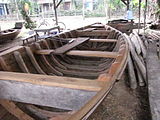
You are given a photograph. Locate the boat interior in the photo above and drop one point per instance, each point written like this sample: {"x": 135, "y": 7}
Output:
{"x": 64, "y": 76}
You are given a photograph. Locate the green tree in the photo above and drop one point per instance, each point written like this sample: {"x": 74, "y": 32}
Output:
{"x": 22, "y": 8}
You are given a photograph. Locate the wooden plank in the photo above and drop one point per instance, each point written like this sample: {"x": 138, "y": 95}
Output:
{"x": 94, "y": 33}
{"x": 141, "y": 44}
{"x": 93, "y": 53}
{"x": 102, "y": 40}
{"x": 89, "y": 29}
{"x": 97, "y": 26}
{"x": 11, "y": 50}
{"x": 91, "y": 40}
{"x": 136, "y": 58}
{"x": 67, "y": 82}
{"x": 44, "y": 52}
{"x": 82, "y": 53}
{"x": 42, "y": 90}
{"x": 70, "y": 46}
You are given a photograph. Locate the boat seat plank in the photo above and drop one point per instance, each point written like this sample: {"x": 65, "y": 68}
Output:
{"x": 87, "y": 53}
{"x": 42, "y": 89}
{"x": 89, "y": 29}
{"x": 93, "y": 40}
{"x": 103, "y": 40}
{"x": 97, "y": 26}
{"x": 82, "y": 53}
{"x": 94, "y": 33}
{"x": 66, "y": 82}
{"x": 70, "y": 46}
{"x": 44, "y": 52}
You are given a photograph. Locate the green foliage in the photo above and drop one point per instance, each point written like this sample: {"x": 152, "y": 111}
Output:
{"x": 78, "y": 4}
{"x": 116, "y": 4}
{"x": 158, "y": 3}
{"x": 135, "y": 3}
{"x": 94, "y": 14}
{"x": 29, "y": 23}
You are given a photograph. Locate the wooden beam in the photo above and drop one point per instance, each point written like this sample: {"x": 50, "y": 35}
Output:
{"x": 90, "y": 40}
{"x": 102, "y": 40}
{"x": 89, "y": 29}
{"x": 82, "y": 53}
{"x": 70, "y": 46}
{"x": 53, "y": 81}
{"x": 93, "y": 53}
{"x": 93, "y": 33}
{"x": 97, "y": 26}
{"x": 51, "y": 91}
{"x": 44, "y": 52}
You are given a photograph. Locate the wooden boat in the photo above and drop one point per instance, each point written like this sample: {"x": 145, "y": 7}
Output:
{"x": 10, "y": 34}
{"x": 122, "y": 25}
{"x": 65, "y": 76}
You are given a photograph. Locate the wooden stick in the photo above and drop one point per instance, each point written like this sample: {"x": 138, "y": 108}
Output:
{"x": 94, "y": 33}
{"x": 135, "y": 43}
{"x": 70, "y": 46}
{"x": 136, "y": 58}
{"x": 132, "y": 76}
{"x": 102, "y": 40}
{"x": 141, "y": 44}
{"x": 140, "y": 78}
{"x": 93, "y": 54}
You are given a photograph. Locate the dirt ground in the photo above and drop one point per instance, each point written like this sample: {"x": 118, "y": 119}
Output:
{"x": 124, "y": 104}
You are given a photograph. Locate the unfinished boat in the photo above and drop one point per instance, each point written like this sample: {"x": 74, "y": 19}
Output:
{"x": 63, "y": 77}
{"x": 10, "y": 34}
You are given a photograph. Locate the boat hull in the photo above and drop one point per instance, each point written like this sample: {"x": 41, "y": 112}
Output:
{"x": 65, "y": 76}
{"x": 9, "y": 34}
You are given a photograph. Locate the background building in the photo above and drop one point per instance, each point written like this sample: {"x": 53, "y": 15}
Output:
{"x": 4, "y": 7}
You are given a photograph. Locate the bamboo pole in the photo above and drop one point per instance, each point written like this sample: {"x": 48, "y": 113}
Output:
{"x": 132, "y": 76}
{"x": 139, "y": 16}
{"x": 83, "y": 9}
{"x": 145, "y": 11}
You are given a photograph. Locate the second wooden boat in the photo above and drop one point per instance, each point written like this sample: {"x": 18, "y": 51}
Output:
{"x": 10, "y": 34}
{"x": 62, "y": 77}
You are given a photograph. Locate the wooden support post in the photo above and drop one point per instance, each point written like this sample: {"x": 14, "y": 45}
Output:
{"x": 139, "y": 22}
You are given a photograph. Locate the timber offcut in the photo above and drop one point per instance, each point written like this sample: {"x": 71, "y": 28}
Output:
{"x": 62, "y": 77}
